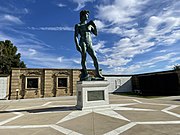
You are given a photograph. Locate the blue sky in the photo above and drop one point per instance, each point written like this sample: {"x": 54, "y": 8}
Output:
{"x": 134, "y": 36}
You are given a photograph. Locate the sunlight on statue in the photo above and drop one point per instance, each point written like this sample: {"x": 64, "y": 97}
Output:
{"x": 84, "y": 44}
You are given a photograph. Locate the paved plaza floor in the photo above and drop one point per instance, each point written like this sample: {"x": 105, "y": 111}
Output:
{"x": 59, "y": 116}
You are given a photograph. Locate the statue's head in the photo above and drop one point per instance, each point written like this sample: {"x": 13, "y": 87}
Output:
{"x": 84, "y": 14}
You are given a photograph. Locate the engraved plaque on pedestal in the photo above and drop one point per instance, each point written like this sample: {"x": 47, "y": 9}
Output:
{"x": 95, "y": 95}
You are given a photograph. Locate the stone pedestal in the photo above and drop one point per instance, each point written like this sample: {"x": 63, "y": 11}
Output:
{"x": 92, "y": 94}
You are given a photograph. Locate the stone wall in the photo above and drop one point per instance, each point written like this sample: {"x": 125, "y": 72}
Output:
{"x": 48, "y": 82}
{"x": 76, "y": 76}
{"x": 15, "y": 83}
{"x": 4, "y": 86}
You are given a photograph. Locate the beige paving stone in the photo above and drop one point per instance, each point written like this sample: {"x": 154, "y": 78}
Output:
{"x": 149, "y": 106}
{"x": 18, "y": 107}
{"x": 2, "y": 107}
{"x": 153, "y": 130}
{"x": 49, "y": 111}
{"x": 119, "y": 97}
{"x": 79, "y": 125}
{"x": 105, "y": 124}
{"x": 4, "y": 116}
{"x": 93, "y": 124}
{"x": 31, "y": 131}
{"x": 63, "y": 103}
{"x": 162, "y": 101}
{"x": 147, "y": 116}
{"x": 24, "y": 103}
{"x": 176, "y": 110}
{"x": 38, "y": 119}
{"x": 122, "y": 101}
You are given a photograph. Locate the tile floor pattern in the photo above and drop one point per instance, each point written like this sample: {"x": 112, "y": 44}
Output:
{"x": 126, "y": 116}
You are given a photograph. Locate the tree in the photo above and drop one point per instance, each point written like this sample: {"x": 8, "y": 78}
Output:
{"x": 9, "y": 57}
{"x": 176, "y": 67}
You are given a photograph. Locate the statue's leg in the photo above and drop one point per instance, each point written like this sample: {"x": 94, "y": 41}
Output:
{"x": 93, "y": 56}
{"x": 83, "y": 59}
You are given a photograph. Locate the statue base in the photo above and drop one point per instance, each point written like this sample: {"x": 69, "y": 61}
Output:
{"x": 92, "y": 95}
{"x": 90, "y": 78}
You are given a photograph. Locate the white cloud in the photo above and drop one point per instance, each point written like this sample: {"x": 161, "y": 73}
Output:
{"x": 4, "y": 37}
{"x": 40, "y": 58}
{"x": 113, "y": 30}
{"x": 34, "y": 52}
{"x": 144, "y": 66}
{"x": 169, "y": 66}
{"x": 164, "y": 29}
{"x": 162, "y": 51}
{"x": 11, "y": 18}
{"x": 27, "y": 52}
{"x": 115, "y": 62}
{"x": 160, "y": 25}
{"x": 52, "y": 28}
{"x": 175, "y": 59}
{"x": 131, "y": 32}
{"x": 157, "y": 59}
{"x": 160, "y": 29}
{"x": 100, "y": 45}
{"x": 24, "y": 40}
{"x": 127, "y": 70}
{"x": 60, "y": 59}
{"x": 99, "y": 24}
{"x": 43, "y": 60}
{"x": 11, "y": 9}
{"x": 31, "y": 52}
{"x": 61, "y": 5}
{"x": 124, "y": 51}
{"x": 26, "y": 10}
{"x": 137, "y": 28}
{"x": 81, "y": 3}
{"x": 120, "y": 12}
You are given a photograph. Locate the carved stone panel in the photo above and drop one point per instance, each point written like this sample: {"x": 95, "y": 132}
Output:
{"x": 95, "y": 95}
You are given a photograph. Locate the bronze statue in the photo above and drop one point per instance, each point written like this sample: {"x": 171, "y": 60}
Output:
{"x": 84, "y": 45}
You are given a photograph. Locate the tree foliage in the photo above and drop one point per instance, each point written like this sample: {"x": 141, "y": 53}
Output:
{"x": 176, "y": 67}
{"x": 9, "y": 57}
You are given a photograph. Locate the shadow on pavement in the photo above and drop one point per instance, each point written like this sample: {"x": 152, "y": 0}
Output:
{"x": 41, "y": 110}
{"x": 176, "y": 100}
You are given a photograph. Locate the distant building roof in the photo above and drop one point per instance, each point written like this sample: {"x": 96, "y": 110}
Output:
{"x": 155, "y": 73}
